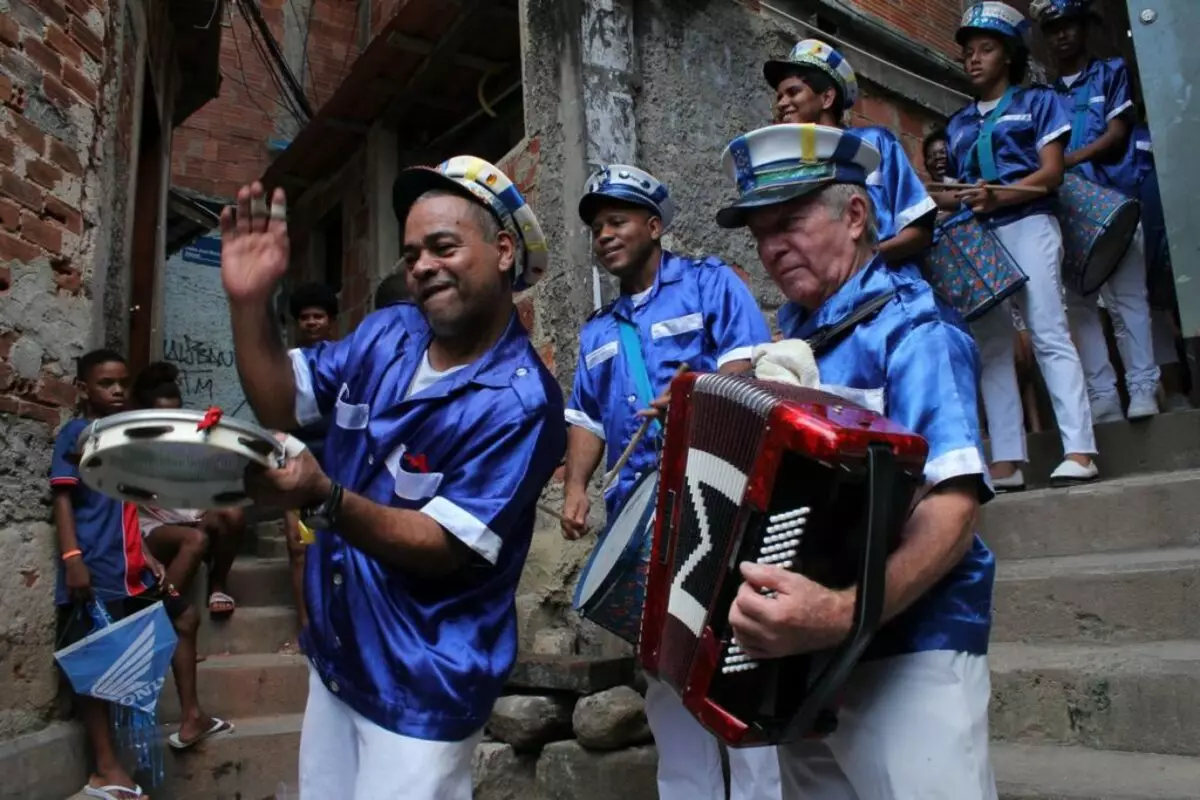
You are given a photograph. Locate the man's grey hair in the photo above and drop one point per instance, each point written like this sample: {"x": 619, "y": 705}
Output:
{"x": 837, "y": 196}
{"x": 489, "y": 226}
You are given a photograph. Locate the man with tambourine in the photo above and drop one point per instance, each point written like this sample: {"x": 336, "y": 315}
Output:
{"x": 672, "y": 311}
{"x": 445, "y": 428}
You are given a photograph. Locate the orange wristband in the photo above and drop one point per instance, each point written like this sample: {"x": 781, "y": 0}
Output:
{"x": 71, "y": 554}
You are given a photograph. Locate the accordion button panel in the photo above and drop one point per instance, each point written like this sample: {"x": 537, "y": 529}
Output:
{"x": 779, "y": 546}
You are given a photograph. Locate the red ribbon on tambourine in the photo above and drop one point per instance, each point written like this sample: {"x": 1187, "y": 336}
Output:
{"x": 211, "y": 418}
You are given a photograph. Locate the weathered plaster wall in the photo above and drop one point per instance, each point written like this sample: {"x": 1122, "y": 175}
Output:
{"x": 71, "y": 77}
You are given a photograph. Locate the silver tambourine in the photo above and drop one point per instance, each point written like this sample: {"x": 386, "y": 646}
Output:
{"x": 177, "y": 458}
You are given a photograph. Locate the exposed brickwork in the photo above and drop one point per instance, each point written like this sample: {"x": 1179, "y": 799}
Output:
{"x": 226, "y": 143}
{"x": 928, "y": 22}
{"x": 907, "y": 120}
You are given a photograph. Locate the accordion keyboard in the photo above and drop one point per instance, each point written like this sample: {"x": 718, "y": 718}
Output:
{"x": 779, "y": 546}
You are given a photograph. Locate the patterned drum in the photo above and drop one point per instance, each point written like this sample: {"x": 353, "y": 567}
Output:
{"x": 969, "y": 266}
{"x": 1097, "y": 226}
{"x": 612, "y": 586}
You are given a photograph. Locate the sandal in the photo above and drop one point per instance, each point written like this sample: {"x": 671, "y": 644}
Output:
{"x": 220, "y": 605}
{"x": 219, "y": 726}
{"x": 113, "y": 792}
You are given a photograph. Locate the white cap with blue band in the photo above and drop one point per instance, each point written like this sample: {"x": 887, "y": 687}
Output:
{"x": 995, "y": 17}
{"x": 630, "y": 185}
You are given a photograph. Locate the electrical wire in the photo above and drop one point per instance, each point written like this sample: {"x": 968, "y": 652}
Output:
{"x": 828, "y": 37}
{"x": 250, "y": 94}
{"x": 274, "y": 59}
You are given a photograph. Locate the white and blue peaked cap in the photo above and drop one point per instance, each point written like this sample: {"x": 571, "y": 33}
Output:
{"x": 483, "y": 182}
{"x": 780, "y": 163}
{"x": 1044, "y": 11}
{"x": 817, "y": 55}
{"x": 993, "y": 17}
{"x": 630, "y": 185}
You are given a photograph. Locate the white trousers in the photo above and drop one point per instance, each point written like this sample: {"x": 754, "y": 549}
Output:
{"x": 689, "y": 757}
{"x": 345, "y": 755}
{"x": 1035, "y": 242}
{"x": 912, "y": 727}
{"x": 1128, "y": 305}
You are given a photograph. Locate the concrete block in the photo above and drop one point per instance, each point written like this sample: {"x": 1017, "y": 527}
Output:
{"x": 237, "y": 687}
{"x": 578, "y": 674}
{"x": 251, "y": 629}
{"x": 1140, "y": 512}
{"x": 1142, "y": 698}
{"x": 1103, "y": 597}
{"x": 566, "y": 771}
{"x": 261, "y": 582}
{"x": 501, "y": 773}
{"x": 251, "y": 762}
{"x": 49, "y": 764}
{"x": 1047, "y": 772}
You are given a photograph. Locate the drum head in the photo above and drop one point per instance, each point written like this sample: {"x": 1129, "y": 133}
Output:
{"x": 159, "y": 458}
{"x": 621, "y": 544}
{"x": 1108, "y": 250}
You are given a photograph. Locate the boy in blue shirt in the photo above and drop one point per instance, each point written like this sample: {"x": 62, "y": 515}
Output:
{"x": 104, "y": 557}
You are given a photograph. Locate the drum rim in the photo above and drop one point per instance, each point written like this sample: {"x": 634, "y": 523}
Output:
{"x": 608, "y": 582}
{"x": 167, "y": 415}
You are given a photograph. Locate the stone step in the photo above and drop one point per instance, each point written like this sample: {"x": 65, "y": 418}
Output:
{"x": 1099, "y": 597}
{"x": 1163, "y": 443}
{"x": 261, "y": 582}
{"x": 1139, "y": 512}
{"x": 271, "y": 547}
{"x": 1047, "y": 772}
{"x": 566, "y": 771}
{"x": 1142, "y": 698}
{"x": 248, "y": 764}
{"x": 236, "y": 687}
{"x": 251, "y": 629}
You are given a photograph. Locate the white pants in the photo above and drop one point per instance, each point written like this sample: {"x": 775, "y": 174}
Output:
{"x": 345, "y": 755}
{"x": 1128, "y": 305}
{"x": 912, "y": 727}
{"x": 1035, "y": 242}
{"x": 689, "y": 757}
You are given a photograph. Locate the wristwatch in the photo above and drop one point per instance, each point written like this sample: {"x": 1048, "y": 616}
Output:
{"x": 324, "y": 516}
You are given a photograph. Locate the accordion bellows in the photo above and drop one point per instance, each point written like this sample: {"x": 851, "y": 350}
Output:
{"x": 761, "y": 471}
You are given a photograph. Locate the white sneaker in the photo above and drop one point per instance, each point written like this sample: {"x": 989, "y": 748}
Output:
{"x": 1071, "y": 472}
{"x": 1106, "y": 409}
{"x": 1013, "y": 483}
{"x": 1141, "y": 405}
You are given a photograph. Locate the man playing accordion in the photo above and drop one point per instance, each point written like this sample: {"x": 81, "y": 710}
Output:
{"x": 913, "y": 723}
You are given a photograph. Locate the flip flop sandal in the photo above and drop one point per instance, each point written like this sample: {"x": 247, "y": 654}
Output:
{"x": 218, "y": 727}
{"x": 113, "y": 792}
{"x": 221, "y": 597}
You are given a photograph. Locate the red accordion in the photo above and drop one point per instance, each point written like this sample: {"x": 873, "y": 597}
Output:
{"x": 761, "y": 471}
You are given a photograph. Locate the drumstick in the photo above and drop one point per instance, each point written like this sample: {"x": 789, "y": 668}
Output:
{"x": 548, "y": 510}
{"x": 637, "y": 437}
{"x": 939, "y": 187}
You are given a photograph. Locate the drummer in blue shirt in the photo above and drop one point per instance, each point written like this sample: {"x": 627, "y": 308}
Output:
{"x": 672, "y": 310}
{"x": 816, "y": 84}
{"x": 1012, "y": 135}
{"x": 445, "y": 427}
{"x": 1095, "y": 95}
{"x": 914, "y": 716}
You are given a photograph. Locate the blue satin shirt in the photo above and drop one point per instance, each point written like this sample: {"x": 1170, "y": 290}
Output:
{"x": 1033, "y": 120}
{"x": 896, "y": 190}
{"x": 916, "y": 363}
{"x": 426, "y": 657}
{"x": 1099, "y": 96}
{"x": 699, "y": 312}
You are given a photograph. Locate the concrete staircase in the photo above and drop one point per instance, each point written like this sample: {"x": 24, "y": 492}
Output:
{"x": 1096, "y": 646}
{"x": 1095, "y": 656}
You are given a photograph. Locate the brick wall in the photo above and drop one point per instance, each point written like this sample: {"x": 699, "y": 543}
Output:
{"x": 909, "y": 121}
{"x": 225, "y": 144}
{"x": 929, "y": 22}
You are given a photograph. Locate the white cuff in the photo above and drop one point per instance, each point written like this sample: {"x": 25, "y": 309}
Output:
{"x": 955, "y": 464}
{"x": 1119, "y": 110}
{"x": 914, "y": 212}
{"x": 1050, "y": 137}
{"x": 736, "y": 354}
{"x": 307, "y": 411}
{"x": 576, "y": 417}
{"x": 468, "y": 530}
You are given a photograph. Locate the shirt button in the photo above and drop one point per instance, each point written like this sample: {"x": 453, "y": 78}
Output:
{"x": 337, "y": 579}
{"x": 522, "y": 372}
{"x": 333, "y": 687}
{"x": 337, "y": 641}
{"x": 371, "y": 459}
{"x": 633, "y": 398}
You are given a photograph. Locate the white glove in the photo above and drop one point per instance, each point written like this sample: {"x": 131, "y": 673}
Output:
{"x": 788, "y": 361}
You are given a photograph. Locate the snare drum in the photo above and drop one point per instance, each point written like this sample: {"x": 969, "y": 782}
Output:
{"x": 969, "y": 267}
{"x": 1097, "y": 226}
{"x": 168, "y": 458}
{"x": 612, "y": 586}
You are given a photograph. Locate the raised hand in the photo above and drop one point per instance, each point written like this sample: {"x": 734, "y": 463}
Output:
{"x": 254, "y": 244}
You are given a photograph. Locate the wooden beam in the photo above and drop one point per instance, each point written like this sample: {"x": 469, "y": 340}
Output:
{"x": 424, "y": 47}
{"x": 434, "y": 63}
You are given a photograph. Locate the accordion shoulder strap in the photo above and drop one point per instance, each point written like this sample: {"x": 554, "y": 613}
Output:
{"x": 825, "y": 338}
{"x": 631, "y": 343}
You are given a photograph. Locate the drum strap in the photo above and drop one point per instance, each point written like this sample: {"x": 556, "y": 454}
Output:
{"x": 631, "y": 343}
{"x": 1080, "y": 97}
{"x": 983, "y": 152}
{"x": 825, "y": 338}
